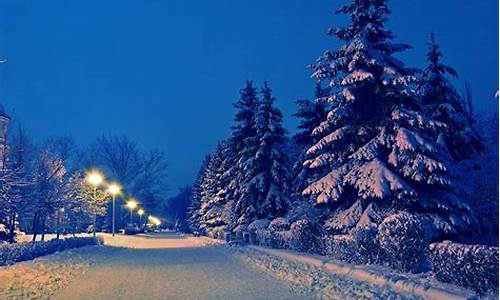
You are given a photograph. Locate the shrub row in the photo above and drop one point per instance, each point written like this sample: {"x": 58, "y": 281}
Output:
{"x": 12, "y": 253}
{"x": 301, "y": 235}
{"x": 400, "y": 241}
{"x": 470, "y": 266}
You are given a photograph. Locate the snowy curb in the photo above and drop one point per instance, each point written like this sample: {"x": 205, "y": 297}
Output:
{"x": 356, "y": 273}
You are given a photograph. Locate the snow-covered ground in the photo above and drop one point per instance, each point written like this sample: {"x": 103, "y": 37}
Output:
{"x": 170, "y": 266}
{"x": 41, "y": 277}
{"x": 306, "y": 277}
{"x": 143, "y": 267}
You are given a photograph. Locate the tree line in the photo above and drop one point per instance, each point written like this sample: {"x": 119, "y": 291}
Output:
{"x": 44, "y": 189}
{"x": 379, "y": 138}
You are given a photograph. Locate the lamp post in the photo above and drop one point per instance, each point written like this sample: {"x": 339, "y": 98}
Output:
{"x": 59, "y": 212}
{"x": 114, "y": 189}
{"x": 140, "y": 212}
{"x": 95, "y": 179}
{"x": 131, "y": 204}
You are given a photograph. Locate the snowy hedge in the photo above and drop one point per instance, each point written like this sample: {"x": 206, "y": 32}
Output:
{"x": 258, "y": 225}
{"x": 268, "y": 238}
{"x": 403, "y": 240}
{"x": 367, "y": 246}
{"x": 342, "y": 248}
{"x": 305, "y": 236}
{"x": 301, "y": 235}
{"x": 470, "y": 266}
{"x": 279, "y": 224}
{"x": 12, "y": 253}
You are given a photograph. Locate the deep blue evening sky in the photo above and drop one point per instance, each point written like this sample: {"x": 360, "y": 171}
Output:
{"x": 167, "y": 72}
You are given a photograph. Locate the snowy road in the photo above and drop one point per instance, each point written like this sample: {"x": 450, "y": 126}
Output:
{"x": 174, "y": 267}
{"x": 169, "y": 267}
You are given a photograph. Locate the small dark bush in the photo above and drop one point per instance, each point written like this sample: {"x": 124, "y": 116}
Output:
{"x": 367, "y": 247}
{"x": 238, "y": 231}
{"x": 258, "y": 225}
{"x": 403, "y": 240}
{"x": 470, "y": 266}
{"x": 268, "y": 238}
{"x": 279, "y": 224}
{"x": 12, "y": 253}
{"x": 304, "y": 236}
{"x": 342, "y": 248}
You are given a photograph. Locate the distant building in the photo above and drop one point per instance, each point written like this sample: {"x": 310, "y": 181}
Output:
{"x": 4, "y": 123}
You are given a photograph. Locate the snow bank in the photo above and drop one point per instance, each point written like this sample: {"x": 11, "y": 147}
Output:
{"x": 336, "y": 280}
{"x": 470, "y": 266}
{"x": 12, "y": 253}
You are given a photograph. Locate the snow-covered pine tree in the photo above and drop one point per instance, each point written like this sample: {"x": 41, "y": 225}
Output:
{"x": 311, "y": 114}
{"x": 193, "y": 212}
{"x": 244, "y": 128}
{"x": 265, "y": 188}
{"x": 237, "y": 150}
{"x": 213, "y": 190}
{"x": 444, "y": 104}
{"x": 376, "y": 141}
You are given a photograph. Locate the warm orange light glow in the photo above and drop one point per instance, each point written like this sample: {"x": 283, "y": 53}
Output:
{"x": 154, "y": 220}
{"x": 95, "y": 178}
{"x": 132, "y": 203}
{"x": 114, "y": 189}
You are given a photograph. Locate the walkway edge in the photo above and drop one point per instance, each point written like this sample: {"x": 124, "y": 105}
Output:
{"x": 356, "y": 273}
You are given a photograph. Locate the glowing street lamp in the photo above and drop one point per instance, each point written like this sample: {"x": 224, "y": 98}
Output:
{"x": 131, "y": 204}
{"x": 95, "y": 179}
{"x": 114, "y": 189}
{"x": 154, "y": 220}
{"x": 140, "y": 212}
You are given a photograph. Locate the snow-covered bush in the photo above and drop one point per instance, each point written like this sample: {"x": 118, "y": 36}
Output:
{"x": 303, "y": 235}
{"x": 12, "y": 253}
{"x": 342, "y": 248}
{"x": 239, "y": 230}
{"x": 246, "y": 237}
{"x": 279, "y": 224}
{"x": 258, "y": 225}
{"x": 470, "y": 266}
{"x": 367, "y": 246}
{"x": 4, "y": 235}
{"x": 266, "y": 237}
{"x": 403, "y": 240}
{"x": 220, "y": 232}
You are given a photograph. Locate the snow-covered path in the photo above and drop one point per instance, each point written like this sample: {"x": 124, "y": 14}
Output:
{"x": 171, "y": 267}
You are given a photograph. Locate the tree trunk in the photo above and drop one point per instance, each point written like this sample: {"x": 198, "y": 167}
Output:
{"x": 95, "y": 223}
{"x": 43, "y": 228}
{"x": 12, "y": 228}
{"x": 35, "y": 226}
{"x": 57, "y": 226}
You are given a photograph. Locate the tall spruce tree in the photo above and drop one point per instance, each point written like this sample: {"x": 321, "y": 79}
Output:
{"x": 442, "y": 101}
{"x": 265, "y": 187}
{"x": 376, "y": 140}
{"x": 213, "y": 189}
{"x": 241, "y": 141}
{"x": 195, "y": 200}
{"x": 244, "y": 131}
{"x": 311, "y": 114}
